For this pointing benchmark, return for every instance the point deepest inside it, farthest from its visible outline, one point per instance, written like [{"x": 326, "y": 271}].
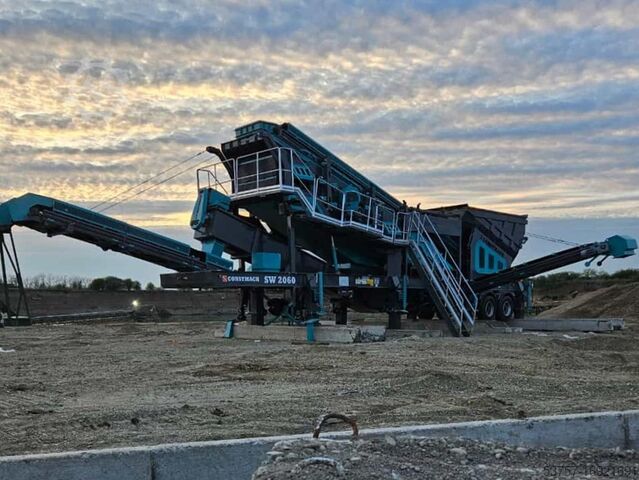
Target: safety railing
[
  {"x": 250, "y": 174},
  {"x": 447, "y": 279},
  {"x": 216, "y": 176},
  {"x": 275, "y": 170},
  {"x": 331, "y": 204}
]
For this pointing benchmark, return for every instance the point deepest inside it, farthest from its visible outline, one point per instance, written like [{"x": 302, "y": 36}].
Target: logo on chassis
[{"x": 240, "y": 278}]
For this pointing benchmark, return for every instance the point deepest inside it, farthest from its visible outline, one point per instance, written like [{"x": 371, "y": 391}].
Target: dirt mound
[
  {"x": 615, "y": 301},
  {"x": 413, "y": 458}
]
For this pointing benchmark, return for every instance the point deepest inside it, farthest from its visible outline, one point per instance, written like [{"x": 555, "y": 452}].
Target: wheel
[
  {"x": 488, "y": 308},
  {"x": 506, "y": 308},
  {"x": 426, "y": 313}
]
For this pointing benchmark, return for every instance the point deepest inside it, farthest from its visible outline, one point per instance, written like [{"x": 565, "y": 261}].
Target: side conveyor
[
  {"x": 617, "y": 246},
  {"x": 54, "y": 217}
]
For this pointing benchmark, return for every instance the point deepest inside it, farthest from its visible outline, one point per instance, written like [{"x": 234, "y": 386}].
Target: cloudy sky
[{"x": 529, "y": 107}]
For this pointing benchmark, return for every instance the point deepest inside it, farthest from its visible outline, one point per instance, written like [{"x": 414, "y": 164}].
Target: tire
[
  {"x": 506, "y": 308},
  {"x": 427, "y": 313},
  {"x": 488, "y": 308}
]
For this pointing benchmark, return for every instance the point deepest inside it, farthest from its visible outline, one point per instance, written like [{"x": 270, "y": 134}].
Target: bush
[
  {"x": 630, "y": 274},
  {"x": 97, "y": 284},
  {"x": 130, "y": 285},
  {"x": 114, "y": 284},
  {"x": 553, "y": 280}
]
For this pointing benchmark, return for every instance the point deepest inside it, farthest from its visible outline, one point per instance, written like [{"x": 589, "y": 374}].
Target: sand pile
[{"x": 616, "y": 301}]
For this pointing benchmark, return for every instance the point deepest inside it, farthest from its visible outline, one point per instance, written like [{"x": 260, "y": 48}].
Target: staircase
[{"x": 454, "y": 299}]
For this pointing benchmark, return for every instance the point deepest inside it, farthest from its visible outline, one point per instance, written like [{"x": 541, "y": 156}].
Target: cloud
[
  {"x": 531, "y": 128},
  {"x": 524, "y": 106},
  {"x": 591, "y": 97},
  {"x": 576, "y": 46},
  {"x": 38, "y": 120}
]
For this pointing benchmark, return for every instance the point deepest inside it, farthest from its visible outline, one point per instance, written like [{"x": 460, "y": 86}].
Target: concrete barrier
[
  {"x": 329, "y": 334},
  {"x": 569, "y": 324},
  {"x": 237, "y": 459}
]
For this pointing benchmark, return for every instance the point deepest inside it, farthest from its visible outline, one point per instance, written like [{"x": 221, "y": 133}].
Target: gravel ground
[
  {"x": 415, "y": 458},
  {"x": 102, "y": 385}
]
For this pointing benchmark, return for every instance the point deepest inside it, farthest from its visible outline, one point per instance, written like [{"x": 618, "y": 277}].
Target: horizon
[
  {"x": 525, "y": 107},
  {"x": 37, "y": 251}
]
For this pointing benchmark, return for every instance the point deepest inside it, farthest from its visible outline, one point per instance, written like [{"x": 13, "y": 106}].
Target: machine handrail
[
  {"x": 395, "y": 229},
  {"x": 455, "y": 289},
  {"x": 461, "y": 277}
]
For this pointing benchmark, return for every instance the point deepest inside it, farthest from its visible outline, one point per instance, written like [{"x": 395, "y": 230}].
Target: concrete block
[
  {"x": 395, "y": 334},
  {"x": 372, "y": 333},
  {"x": 630, "y": 424},
  {"x": 210, "y": 460},
  {"x": 114, "y": 464},
  {"x": 569, "y": 324},
  {"x": 323, "y": 334},
  {"x": 237, "y": 459},
  {"x": 493, "y": 328},
  {"x": 587, "y": 430}
]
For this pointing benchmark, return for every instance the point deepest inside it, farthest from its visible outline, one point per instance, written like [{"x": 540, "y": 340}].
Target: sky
[{"x": 527, "y": 107}]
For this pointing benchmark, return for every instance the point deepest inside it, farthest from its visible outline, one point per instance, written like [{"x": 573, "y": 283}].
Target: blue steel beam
[{"x": 54, "y": 217}]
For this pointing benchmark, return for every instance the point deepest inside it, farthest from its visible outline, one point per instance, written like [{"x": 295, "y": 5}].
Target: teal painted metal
[
  {"x": 621, "y": 246},
  {"x": 17, "y": 209},
  {"x": 486, "y": 260},
  {"x": 310, "y": 330},
  {"x": 228, "y": 329},
  {"x": 54, "y": 217},
  {"x": 5, "y": 219},
  {"x": 315, "y": 155},
  {"x": 266, "y": 262},
  {"x": 334, "y": 255},
  {"x": 214, "y": 249},
  {"x": 353, "y": 198},
  {"x": 207, "y": 198}
]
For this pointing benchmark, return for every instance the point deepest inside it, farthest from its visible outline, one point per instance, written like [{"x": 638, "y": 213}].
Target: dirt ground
[
  {"x": 76, "y": 386},
  {"x": 415, "y": 458}
]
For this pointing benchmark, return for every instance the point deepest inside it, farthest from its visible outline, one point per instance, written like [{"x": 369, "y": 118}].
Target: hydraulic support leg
[
  {"x": 341, "y": 313},
  {"x": 394, "y": 263},
  {"x": 258, "y": 312},
  {"x": 394, "y": 320},
  {"x": 18, "y": 312},
  {"x": 245, "y": 300},
  {"x": 291, "y": 254}
]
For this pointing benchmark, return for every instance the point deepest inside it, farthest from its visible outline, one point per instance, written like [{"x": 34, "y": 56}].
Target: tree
[
  {"x": 113, "y": 284},
  {"x": 97, "y": 284},
  {"x": 150, "y": 287}
]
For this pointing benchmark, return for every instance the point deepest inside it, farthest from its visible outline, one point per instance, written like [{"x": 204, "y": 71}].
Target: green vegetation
[
  {"x": 54, "y": 282},
  {"x": 554, "y": 280},
  {"x": 114, "y": 284},
  {"x": 60, "y": 282}
]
